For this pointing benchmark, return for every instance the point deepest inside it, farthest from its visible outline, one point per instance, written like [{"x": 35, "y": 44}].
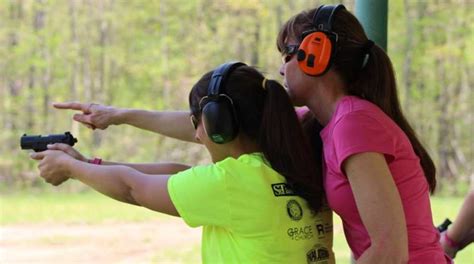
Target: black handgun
[{"x": 39, "y": 143}]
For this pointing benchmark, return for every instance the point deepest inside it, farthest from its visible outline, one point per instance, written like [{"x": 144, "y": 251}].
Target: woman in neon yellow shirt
[{"x": 261, "y": 201}]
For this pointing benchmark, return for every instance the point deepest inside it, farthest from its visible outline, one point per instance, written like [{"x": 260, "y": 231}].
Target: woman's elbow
[
  {"x": 398, "y": 253},
  {"x": 390, "y": 255},
  {"x": 131, "y": 186},
  {"x": 404, "y": 257},
  {"x": 392, "y": 249},
  {"x": 130, "y": 198}
]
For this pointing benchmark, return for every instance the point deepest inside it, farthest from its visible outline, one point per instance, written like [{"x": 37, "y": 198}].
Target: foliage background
[{"x": 147, "y": 54}]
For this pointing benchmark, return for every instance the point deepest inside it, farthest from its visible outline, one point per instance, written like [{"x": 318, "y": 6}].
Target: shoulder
[
  {"x": 352, "y": 105},
  {"x": 227, "y": 167},
  {"x": 356, "y": 113},
  {"x": 360, "y": 126},
  {"x": 210, "y": 175}
]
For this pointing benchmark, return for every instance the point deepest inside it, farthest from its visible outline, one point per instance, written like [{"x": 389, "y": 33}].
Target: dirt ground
[{"x": 164, "y": 241}]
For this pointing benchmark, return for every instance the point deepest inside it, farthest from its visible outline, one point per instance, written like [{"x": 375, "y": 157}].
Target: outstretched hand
[
  {"x": 93, "y": 115},
  {"x": 53, "y": 166}
]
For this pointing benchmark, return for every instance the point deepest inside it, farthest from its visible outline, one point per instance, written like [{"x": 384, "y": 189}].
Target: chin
[
  {"x": 295, "y": 100},
  {"x": 298, "y": 104}
]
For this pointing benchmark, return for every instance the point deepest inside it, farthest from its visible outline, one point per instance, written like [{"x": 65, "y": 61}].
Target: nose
[{"x": 282, "y": 69}]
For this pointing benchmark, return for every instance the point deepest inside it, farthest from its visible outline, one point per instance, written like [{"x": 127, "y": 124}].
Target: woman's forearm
[
  {"x": 152, "y": 168},
  {"x": 463, "y": 224},
  {"x": 380, "y": 209},
  {"x": 116, "y": 182},
  {"x": 170, "y": 124}
]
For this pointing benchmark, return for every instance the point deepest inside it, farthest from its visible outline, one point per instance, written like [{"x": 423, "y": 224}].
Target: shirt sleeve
[
  {"x": 357, "y": 133},
  {"x": 301, "y": 111},
  {"x": 200, "y": 196}
]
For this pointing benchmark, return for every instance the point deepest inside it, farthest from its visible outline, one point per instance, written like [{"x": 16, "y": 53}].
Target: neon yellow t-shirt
[{"x": 249, "y": 215}]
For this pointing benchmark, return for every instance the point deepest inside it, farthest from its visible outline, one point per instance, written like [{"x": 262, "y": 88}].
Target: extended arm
[
  {"x": 380, "y": 208},
  {"x": 118, "y": 182},
  {"x": 147, "y": 168},
  {"x": 464, "y": 222},
  {"x": 172, "y": 124},
  {"x": 152, "y": 168},
  {"x": 461, "y": 232}
]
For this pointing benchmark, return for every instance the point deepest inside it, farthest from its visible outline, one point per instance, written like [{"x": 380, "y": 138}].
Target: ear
[{"x": 203, "y": 121}]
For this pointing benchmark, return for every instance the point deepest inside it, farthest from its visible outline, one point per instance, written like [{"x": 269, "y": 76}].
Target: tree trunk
[
  {"x": 102, "y": 26},
  {"x": 12, "y": 80},
  {"x": 73, "y": 91},
  {"x": 407, "y": 64},
  {"x": 255, "y": 58}
]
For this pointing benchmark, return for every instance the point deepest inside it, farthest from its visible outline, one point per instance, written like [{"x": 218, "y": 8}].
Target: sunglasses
[
  {"x": 194, "y": 121},
  {"x": 289, "y": 51}
]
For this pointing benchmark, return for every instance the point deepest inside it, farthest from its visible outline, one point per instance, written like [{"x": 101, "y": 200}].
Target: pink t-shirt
[{"x": 359, "y": 126}]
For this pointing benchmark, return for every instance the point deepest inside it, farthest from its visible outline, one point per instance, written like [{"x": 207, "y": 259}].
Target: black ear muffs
[
  {"x": 218, "y": 112},
  {"x": 318, "y": 46},
  {"x": 220, "y": 121}
]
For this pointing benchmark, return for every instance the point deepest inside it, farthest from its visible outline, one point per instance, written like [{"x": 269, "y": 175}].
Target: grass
[
  {"x": 87, "y": 207},
  {"x": 93, "y": 208}
]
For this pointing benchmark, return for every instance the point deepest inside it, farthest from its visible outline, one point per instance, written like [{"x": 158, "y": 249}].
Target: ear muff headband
[
  {"x": 324, "y": 17},
  {"x": 220, "y": 119},
  {"x": 318, "y": 46},
  {"x": 219, "y": 77}
]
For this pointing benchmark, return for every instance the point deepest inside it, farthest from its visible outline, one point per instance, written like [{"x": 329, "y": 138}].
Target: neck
[
  {"x": 323, "y": 101},
  {"x": 238, "y": 147},
  {"x": 242, "y": 145}
]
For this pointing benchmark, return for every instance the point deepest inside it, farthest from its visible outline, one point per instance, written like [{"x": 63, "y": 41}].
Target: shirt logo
[
  {"x": 300, "y": 233},
  {"x": 294, "y": 210},
  {"x": 317, "y": 254},
  {"x": 282, "y": 189}
]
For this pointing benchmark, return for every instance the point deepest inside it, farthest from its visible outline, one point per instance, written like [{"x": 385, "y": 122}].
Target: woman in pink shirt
[{"x": 378, "y": 176}]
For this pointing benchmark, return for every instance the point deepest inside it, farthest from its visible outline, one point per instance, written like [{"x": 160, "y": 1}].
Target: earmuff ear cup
[
  {"x": 219, "y": 120},
  {"x": 219, "y": 116},
  {"x": 314, "y": 54}
]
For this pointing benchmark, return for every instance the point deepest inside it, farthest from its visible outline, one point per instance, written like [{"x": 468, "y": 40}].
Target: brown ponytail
[
  {"x": 286, "y": 147},
  {"x": 376, "y": 84}
]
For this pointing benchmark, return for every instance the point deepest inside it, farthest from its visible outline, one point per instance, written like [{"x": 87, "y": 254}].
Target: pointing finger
[{"x": 72, "y": 106}]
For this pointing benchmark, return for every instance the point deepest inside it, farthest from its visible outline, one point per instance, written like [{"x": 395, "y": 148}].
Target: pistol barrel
[{"x": 39, "y": 143}]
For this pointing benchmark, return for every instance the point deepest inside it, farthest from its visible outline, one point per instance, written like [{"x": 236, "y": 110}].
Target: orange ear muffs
[{"x": 314, "y": 54}]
